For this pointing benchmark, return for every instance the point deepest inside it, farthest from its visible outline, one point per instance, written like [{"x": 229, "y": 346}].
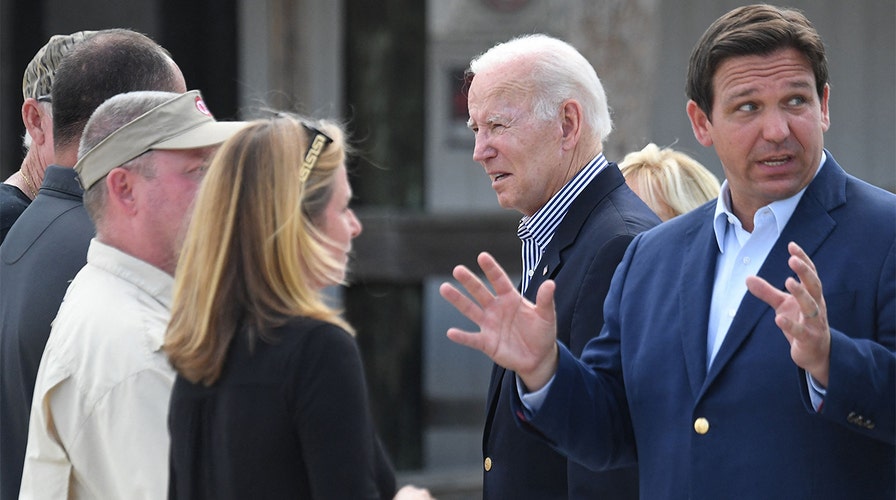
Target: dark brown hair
[
  {"x": 109, "y": 63},
  {"x": 752, "y": 30}
]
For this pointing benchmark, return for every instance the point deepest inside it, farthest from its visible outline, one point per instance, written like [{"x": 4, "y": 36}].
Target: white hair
[
  {"x": 559, "y": 72},
  {"x": 26, "y": 139}
]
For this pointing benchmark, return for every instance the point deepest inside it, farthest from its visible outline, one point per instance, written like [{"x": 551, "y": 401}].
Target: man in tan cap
[
  {"x": 17, "y": 191},
  {"x": 99, "y": 418},
  {"x": 47, "y": 245}
]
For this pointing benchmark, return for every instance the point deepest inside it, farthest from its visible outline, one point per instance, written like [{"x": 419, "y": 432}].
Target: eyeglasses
[
  {"x": 44, "y": 98},
  {"x": 317, "y": 142}
]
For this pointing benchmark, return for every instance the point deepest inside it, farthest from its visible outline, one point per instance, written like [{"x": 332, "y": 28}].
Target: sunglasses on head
[{"x": 317, "y": 141}]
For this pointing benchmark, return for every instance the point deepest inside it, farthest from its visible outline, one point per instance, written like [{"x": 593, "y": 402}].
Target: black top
[
  {"x": 12, "y": 203},
  {"x": 288, "y": 420},
  {"x": 43, "y": 251}
]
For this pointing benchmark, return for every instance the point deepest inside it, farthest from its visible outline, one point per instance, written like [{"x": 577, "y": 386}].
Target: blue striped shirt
[{"x": 537, "y": 230}]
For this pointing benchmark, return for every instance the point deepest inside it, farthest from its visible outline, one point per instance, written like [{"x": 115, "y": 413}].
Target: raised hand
[
  {"x": 514, "y": 332},
  {"x": 800, "y": 314}
]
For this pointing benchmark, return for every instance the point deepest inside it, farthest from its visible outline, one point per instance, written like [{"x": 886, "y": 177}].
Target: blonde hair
[
  {"x": 669, "y": 179},
  {"x": 253, "y": 256}
]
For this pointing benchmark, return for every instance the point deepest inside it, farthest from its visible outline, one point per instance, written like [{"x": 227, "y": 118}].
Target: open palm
[{"x": 514, "y": 332}]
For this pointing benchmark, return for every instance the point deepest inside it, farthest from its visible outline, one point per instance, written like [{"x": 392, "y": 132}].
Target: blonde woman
[
  {"x": 670, "y": 182},
  {"x": 270, "y": 399}
]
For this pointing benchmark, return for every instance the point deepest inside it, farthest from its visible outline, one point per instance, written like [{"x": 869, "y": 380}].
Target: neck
[
  {"x": 132, "y": 244},
  {"x": 579, "y": 159},
  {"x": 66, "y": 156},
  {"x": 585, "y": 151},
  {"x": 34, "y": 167},
  {"x": 29, "y": 176}
]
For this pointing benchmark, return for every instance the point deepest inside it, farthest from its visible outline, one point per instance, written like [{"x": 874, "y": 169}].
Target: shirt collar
[
  {"x": 782, "y": 209},
  {"x": 541, "y": 225},
  {"x": 143, "y": 275}
]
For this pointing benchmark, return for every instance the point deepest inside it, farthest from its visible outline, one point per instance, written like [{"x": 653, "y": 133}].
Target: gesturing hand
[
  {"x": 800, "y": 314},
  {"x": 514, "y": 333}
]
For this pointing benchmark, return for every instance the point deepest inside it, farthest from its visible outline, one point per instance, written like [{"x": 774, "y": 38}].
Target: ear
[
  {"x": 825, "y": 116},
  {"x": 700, "y": 124},
  {"x": 120, "y": 187},
  {"x": 32, "y": 116},
  {"x": 573, "y": 120}
]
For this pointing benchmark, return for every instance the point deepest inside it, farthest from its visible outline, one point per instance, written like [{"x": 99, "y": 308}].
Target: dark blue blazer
[
  {"x": 581, "y": 257},
  {"x": 642, "y": 385}
]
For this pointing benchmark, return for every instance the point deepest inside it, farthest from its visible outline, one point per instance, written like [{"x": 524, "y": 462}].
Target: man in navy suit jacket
[
  {"x": 540, "y": 115},
  {"x": 724, "y": 366}
]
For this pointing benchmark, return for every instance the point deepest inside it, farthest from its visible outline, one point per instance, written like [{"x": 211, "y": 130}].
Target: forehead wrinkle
[
  {"x": 732, "y": 73},
  {"x": 504, "y": 95}
]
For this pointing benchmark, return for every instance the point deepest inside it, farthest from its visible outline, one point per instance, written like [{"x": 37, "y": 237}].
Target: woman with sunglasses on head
[{"x": 270, "y": 399}]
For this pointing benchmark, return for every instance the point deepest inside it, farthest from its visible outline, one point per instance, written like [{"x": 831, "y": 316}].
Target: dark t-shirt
[
  {"x": 43, "y": 252},
  {"x": 290, "y": 419},
  {"x": 12, "y": 203}
]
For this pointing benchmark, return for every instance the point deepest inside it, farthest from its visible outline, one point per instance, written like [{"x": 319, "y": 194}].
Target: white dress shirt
[
  {"x": 98, "y": 424},
  {"x": 537, "y": 231}
]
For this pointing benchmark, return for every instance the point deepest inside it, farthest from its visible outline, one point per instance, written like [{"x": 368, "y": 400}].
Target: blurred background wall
[{"x": 392, "y": 70}]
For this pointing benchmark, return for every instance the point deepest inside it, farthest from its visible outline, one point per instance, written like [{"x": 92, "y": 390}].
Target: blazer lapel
[
  {"x": 586, "y": 202},
  {"x": 694, "y": 299},
  {"x": 809, "y": 226}
]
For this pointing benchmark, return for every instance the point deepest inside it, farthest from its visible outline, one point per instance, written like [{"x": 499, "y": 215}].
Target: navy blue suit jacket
[
  {"x": 581, "y": 258},
  {"x": 641, "y": 386}
]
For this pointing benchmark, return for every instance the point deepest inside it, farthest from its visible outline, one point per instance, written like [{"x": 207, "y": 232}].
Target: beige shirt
[{"x": 98, "y": 424}]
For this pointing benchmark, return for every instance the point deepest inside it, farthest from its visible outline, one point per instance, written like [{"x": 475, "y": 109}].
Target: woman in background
[
  {"x": 270, "y": 399},
  {"x": 670, "y": 182}
]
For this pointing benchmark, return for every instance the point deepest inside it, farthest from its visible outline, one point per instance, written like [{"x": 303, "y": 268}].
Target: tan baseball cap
[
  {"x": 38, "y": 79},
  {"x": 184, "y": 122}
]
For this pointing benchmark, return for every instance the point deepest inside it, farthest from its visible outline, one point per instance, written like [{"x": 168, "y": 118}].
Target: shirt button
[
  {"x": 531, "y": 272},
  {"x": 746, "y": 260},
  {"x": 701, "y": 426},
  {"x": 488, "y": 464}
]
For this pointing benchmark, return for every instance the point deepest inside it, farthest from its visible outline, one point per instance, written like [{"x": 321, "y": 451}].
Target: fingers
[
  {"x": 461, "y": 302},
  {"x": 800, "y": 313},
  {"x": 410, "y": 492},
  {"x": 495, "y": 274},
  {"x": 804, "y": 268},
  {"x": 469, "y": 309},
  {"x": 798, "y": 252},
  {"x": 808, "y": 306},
  {"x": 477, "y": 288},
  {"x": 807, "y": 290},
  {"x": 544, "y": 300},
  {"x": 765, "y": 292},
  {"x": 471, "y": 340},
  {"x": 473, "y": 285}
]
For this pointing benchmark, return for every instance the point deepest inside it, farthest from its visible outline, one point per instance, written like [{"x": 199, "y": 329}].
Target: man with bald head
[{"x": 47, "y": 245}]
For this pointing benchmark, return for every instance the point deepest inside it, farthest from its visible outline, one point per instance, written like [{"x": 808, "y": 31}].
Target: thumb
[{"x": 544, "y": 301}]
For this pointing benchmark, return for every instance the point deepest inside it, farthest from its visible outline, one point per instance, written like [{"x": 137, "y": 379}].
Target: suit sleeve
[
  {"x": 585, "y": 414},
  {"x": 862, "y": 381}
]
